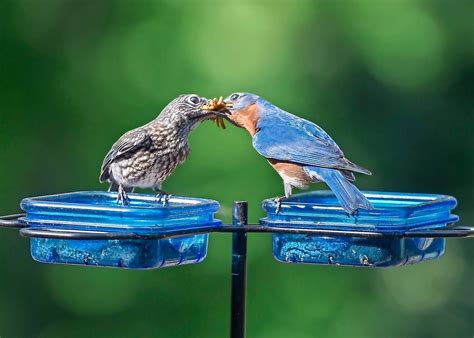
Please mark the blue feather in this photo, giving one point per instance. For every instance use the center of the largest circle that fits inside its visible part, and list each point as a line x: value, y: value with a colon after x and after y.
x: 286, y: 137
x: 347, y: 194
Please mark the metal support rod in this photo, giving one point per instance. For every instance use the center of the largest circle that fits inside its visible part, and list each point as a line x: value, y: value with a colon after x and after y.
x: 239, y: 271
x: 59, y: 233
x: 11, y: 221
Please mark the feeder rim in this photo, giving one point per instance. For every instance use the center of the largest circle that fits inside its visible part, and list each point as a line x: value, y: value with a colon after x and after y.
x: 188, y: 206
x: 427, y: 202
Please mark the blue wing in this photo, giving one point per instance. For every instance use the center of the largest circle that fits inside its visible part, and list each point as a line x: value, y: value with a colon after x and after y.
x: 286, y: 137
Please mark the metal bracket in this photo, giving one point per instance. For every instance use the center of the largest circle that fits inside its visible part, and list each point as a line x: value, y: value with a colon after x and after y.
x: 56, y: 233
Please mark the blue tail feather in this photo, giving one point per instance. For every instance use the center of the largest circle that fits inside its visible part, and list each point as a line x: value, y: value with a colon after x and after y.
x: 347, y: 194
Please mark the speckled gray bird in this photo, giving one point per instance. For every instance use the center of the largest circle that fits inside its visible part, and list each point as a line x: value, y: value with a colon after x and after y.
x: 146, y: 156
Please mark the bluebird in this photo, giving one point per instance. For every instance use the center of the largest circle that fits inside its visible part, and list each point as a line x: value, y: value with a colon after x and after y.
x: 146, y: 156
x: 300, y: 151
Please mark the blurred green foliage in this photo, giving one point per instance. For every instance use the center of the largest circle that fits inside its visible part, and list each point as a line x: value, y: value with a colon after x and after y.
x: 391, y: 81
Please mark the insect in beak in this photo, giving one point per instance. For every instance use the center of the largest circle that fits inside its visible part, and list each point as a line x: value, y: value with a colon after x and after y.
x: 217, y: 105
x: 219, y: 122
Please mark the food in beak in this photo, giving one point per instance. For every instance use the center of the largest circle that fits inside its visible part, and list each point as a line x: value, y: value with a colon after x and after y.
x: 219, y: 121
x: 217, y: 105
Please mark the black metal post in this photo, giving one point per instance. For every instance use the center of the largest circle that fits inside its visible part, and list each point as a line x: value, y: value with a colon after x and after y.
x: 239, y: 271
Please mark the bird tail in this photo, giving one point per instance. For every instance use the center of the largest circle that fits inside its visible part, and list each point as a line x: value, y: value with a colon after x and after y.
x: 347, y: 194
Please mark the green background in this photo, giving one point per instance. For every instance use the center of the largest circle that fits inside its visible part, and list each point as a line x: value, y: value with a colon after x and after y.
x: 392, y: 82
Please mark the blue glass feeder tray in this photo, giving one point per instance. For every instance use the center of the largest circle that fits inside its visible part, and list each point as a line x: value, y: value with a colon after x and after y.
x: 99, y: 211
x: 393, y: 213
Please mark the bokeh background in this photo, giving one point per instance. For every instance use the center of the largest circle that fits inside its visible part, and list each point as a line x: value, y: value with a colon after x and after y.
x: 392, y: 82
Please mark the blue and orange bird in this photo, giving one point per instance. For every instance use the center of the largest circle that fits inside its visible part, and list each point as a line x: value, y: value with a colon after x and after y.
x: 300, y: 151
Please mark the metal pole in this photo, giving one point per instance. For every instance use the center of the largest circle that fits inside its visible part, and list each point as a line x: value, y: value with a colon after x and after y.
x: 239, y: 271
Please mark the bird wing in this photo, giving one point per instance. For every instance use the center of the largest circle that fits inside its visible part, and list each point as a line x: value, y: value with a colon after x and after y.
x: 286, y: 137
x: 128, y: 143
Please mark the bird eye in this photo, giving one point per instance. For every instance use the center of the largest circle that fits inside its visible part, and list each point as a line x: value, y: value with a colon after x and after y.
x: 234, y: 97
x: 194, y: 99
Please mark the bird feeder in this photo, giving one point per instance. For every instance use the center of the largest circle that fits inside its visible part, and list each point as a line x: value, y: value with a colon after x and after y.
x: 99, y: 212
x: 393, y: 214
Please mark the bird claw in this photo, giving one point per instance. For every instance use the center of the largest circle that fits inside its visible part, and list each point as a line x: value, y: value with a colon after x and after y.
x: 167, y: 200
x: 163, y: 198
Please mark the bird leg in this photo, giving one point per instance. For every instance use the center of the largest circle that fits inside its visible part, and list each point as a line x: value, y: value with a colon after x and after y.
x: 122, y: 197
x: 277, y: 201
x: 288, y: 191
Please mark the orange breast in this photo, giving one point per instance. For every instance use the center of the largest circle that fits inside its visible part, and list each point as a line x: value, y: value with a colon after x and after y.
x: 291, y: 172
x: 246, y: 118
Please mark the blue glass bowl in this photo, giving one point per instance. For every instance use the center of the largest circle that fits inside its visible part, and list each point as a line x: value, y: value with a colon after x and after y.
x: 99, y: 211
x: 392, y: 213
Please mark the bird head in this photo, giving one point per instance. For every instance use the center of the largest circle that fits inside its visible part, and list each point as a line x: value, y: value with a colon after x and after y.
x: 241, y: 110
x: 240, y: 101
x: 188, y: 110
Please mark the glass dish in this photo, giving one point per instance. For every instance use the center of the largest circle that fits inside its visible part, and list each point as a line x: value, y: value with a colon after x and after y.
x: 392, y: 213
x: 99, y: 211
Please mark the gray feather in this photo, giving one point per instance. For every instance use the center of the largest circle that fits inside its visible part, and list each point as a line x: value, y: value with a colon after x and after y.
x: 128, y: 143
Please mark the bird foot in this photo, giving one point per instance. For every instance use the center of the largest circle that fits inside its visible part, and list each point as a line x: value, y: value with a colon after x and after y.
x: 277, y: 201
x: 353, y: 213
x: 163, y: 198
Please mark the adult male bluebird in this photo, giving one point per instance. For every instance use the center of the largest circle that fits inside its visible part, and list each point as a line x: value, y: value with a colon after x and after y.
x: 299, y: 150
x: 146, y: 156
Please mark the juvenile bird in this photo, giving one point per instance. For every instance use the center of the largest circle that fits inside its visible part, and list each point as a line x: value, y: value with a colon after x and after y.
x: 300, y: 151
x: 146, y: 156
